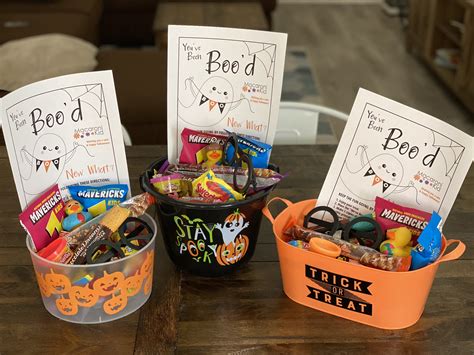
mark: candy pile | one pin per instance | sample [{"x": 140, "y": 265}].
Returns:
[
  {"x": 110, "y": 229},
  {"x": 204, "y": 173},
  {"x": 412, "y": 237}
]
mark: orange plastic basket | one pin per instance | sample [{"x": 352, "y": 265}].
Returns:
[{"x": 359, "y": 293}]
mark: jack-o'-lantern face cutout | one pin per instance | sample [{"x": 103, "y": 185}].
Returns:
[
  {"x": 115, "y": 304},
  {"x": 57, "y": 283},
  {"x": 43, "y": 286},
  {"x": 147, "y": 265},
  {"x": 227, "y": 254},
  {"x": 148, "y": 284},
  {"x": 67, "y": 306},
  {"x": 108, "y": 283},
  {"x": 133, "y": 284},
  {"x": 84, "y": 296}
]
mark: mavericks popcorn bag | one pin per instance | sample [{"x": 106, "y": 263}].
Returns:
[{"x": 42, "y": 220}]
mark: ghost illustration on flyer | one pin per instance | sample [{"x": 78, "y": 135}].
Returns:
[
  {"x": 210, "y": 103},
  {"x": 380, "y": 175},
  {"x": 45, "y": 164}
]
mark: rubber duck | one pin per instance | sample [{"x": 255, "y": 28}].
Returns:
[
  {"x": 213, "y": 155},
  {"x": 398, "y": 242},
  {"x": 76, "y": 215}
]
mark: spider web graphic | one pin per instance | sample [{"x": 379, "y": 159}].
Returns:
[
  {"x": 91, "y": 95},
  {"x": 265, "y": 53},
  {"x": 450, "y": 151}
]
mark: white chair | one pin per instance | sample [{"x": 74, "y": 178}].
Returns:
[
  {"x": 126, "y": 137},
  {"x": 298, "y": 122}
]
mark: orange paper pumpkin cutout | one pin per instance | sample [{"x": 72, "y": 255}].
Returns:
[
  {"x": 148, "y": 284},
  {"x": 114, "y": 284},
  {"x": 147, "y": 265},
  {"x": 84, "y": 296},
  {"x": 58, "y": 284},
  {"x": 67, "y": 306},
  {"x": 133, "y": 284},
  {"x": 115, "y": 304},
  {"x": 108, "y": 283},
  {"x": 227, "y": 254},
  {"x": 43, "y": 286}
]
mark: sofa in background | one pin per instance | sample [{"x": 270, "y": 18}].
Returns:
[
  {"x": 130, "y": 22},
  {"x": 24, "y": 18}
]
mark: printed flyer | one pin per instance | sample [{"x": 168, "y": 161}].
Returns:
[
  {"x": 398, "y": 153},
  {"x": 64, "y": 130},
  {"x": 223, "y": 79}
]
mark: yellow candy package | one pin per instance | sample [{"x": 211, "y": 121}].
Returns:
[{"x": 208, "y": 185}]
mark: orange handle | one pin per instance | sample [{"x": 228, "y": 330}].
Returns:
[
  {"x": 266, "y": 210},
  {"x": 454, "y": 254}
]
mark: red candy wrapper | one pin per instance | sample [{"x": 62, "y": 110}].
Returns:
[
  {"x": 200, "y": 147},
  {"x": 390, "y": 215},
  {"x": 42, "y": 219}
]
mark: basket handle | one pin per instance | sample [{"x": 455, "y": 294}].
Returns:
[
  {"x": 454, "y": 254},
  {"x": 266, "y": 209}
]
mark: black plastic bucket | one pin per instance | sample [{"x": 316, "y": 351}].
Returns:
[{"x": 208, "y": 240}]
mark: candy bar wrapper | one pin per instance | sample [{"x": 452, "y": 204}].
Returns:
[
  {"x": 108, "y": 225},
  {"x": 364, "y": 255},
  {"x": 390, "y": 215},
  {"x": 42, "y": 219},
  {"x": 200, "y": 147},
  {"x": 136, "y": 206}
]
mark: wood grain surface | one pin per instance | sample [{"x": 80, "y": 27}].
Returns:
[{"x": 245, "y": 312}]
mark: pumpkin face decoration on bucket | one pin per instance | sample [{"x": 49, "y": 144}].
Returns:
[
  {"x": 67, "y": 306},
  {"x": 84, "y": 296},
  {"x": 57, "y": 284},
  {"x": 133, "y": 284},
  {"x": 147, "y": 265},
  {"x": 107, "y": 284},
  {"x": 43, "y": 286},
  {"x": 115, "y": 304},
  {"x": 227, "y": 254}
]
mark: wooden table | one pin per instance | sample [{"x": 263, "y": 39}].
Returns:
[
  {"x": 244, "y": 312},
  {"x": 248, "y": 15}
]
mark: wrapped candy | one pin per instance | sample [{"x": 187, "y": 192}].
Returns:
[
  {"x": 259, "y": 152},
  {"x": 364, "y": 255},
  {"x": 264, "y": 177},
  {"x": 210, "y": 186}
]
